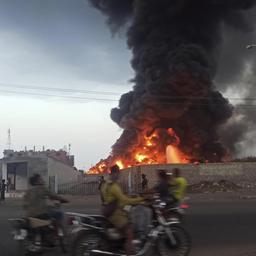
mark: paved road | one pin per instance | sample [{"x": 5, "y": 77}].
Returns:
[
  {"x": 218, "y": 228},
  {"x": 223, "y": 228}
]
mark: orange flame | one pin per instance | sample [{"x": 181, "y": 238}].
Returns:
[
  {"x": 120, "y": 164},
  {"x": 149, "y": 151},
  {"x": 149, "y": 140},
  {"x": 175, "y": 156},
  {"x": 140, "y": 158}
]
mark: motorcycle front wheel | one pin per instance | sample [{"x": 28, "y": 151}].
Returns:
[
  {"x": 21, "y": 248},
  {"x": 180, "y": 248},
  {"x": 62, "y": 243}
]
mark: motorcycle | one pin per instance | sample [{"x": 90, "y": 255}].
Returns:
[
  {"x": 35, "y": 236},
  {"x": 176, "y": 212},
  {"x": 93, "y": 234}
]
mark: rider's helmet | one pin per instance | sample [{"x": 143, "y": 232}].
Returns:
[
  {"x": 114, "y": 169},
  {"x": 114, "y": 172}
]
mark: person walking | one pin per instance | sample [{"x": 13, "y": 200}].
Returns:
[
  {"x": 144, "y": 183},
  {"x": 102, "y": 181},
  {"x": 3, "y": 190}
]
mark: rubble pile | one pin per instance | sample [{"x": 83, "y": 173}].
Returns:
[{"x": 213, "y": 186}]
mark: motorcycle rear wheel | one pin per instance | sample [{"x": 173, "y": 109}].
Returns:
[
  {"x": 85, "y": 243},
  {"x": 21, "y": 248},
  {"x": 183, "y": 246}
]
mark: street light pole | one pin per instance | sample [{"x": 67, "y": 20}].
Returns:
[{"x": 250, "y": 46}]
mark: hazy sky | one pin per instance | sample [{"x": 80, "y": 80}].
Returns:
[
  {"x": 59, "y": 44},
  {"x": 66, "y": 44}
]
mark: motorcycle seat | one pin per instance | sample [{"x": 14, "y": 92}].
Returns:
[{"x": 38, "y": 223}]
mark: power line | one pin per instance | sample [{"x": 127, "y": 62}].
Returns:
[
  {"x": 114, "y": 100},
  {"x": 214, "y": 103},
  {"x": 116, "y": 94},
  {"x": 197, "y": 98},
  {"x": 58, "y": 96},
  {"x": 57, "y": 89}
]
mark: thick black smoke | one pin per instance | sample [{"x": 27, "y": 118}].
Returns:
[
  {"x": 233, "y": 78},
  {"x": 175, "y": 46},
  {"x": 117, "y": 11}
]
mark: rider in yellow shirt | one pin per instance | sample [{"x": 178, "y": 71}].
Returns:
[
  {"x": 114, "y": 201},
  {"x": 179, "y": 184}
]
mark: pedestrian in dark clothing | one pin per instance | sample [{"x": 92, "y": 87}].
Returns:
[
  {"x": 3, "y": 189},
  {"x": 144, "y": 183},
  {"x": 8, "y": 185},
  {"x": 101, "y": 183}
]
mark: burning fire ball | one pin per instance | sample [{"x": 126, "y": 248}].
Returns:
[{"x": 174, "y": 111}]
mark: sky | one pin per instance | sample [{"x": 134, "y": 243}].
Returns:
[
  {"x": 55, "y": 56},
  {"x": 60, "y": 44}
]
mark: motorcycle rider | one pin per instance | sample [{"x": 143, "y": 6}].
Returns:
[
  {"x": 179, "y": 184},
  {"x": 35, "y": 200},
  {"x": 113, "y": 209},
  {"x": 164, "y": 187}
]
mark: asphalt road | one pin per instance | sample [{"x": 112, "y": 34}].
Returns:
[{"x": 217, "y": 227}]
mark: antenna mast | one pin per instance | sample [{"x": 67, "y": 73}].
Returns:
[
  {"x": 69, "y": 148},
  {"x": 9, "y": 141}
]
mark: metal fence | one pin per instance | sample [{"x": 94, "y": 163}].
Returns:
[
  {"x": 84, "y": 188},
  {"x": 79, "y": 188}
]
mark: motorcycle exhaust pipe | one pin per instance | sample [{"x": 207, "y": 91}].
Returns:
[{"x": 106, "y": 253}]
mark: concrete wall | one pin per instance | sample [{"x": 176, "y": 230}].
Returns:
[
  {"x": 38, "y": 165},
  {"x": 21, "y": 176},
  {"x": 64, "y": 173},
  {"x": 243, "y": 174}
]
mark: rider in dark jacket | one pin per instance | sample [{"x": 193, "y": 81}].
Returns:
[{"x": 163, "y": 187}]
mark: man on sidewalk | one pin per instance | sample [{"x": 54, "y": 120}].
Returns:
[{"x": 3, "y": 189}]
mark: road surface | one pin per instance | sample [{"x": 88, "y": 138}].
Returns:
[{"x": 224, "y": 227}]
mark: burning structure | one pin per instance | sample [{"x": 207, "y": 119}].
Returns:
[{"x": 174, "y": 111}]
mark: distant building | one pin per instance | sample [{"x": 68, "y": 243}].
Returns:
[{"x": 56, "y": 167}]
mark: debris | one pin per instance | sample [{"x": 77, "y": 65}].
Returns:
[{"x": 213, "y": 186}]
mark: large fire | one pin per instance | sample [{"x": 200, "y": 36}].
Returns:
[{"x": 149, "y": 151}]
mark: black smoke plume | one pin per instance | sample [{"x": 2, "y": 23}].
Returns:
[{"x": 176, "y": 47}]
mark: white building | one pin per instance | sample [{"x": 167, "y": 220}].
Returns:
[{"x": 56, "y": 167}]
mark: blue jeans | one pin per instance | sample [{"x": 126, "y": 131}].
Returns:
[{"x": 56, "y": 214}]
